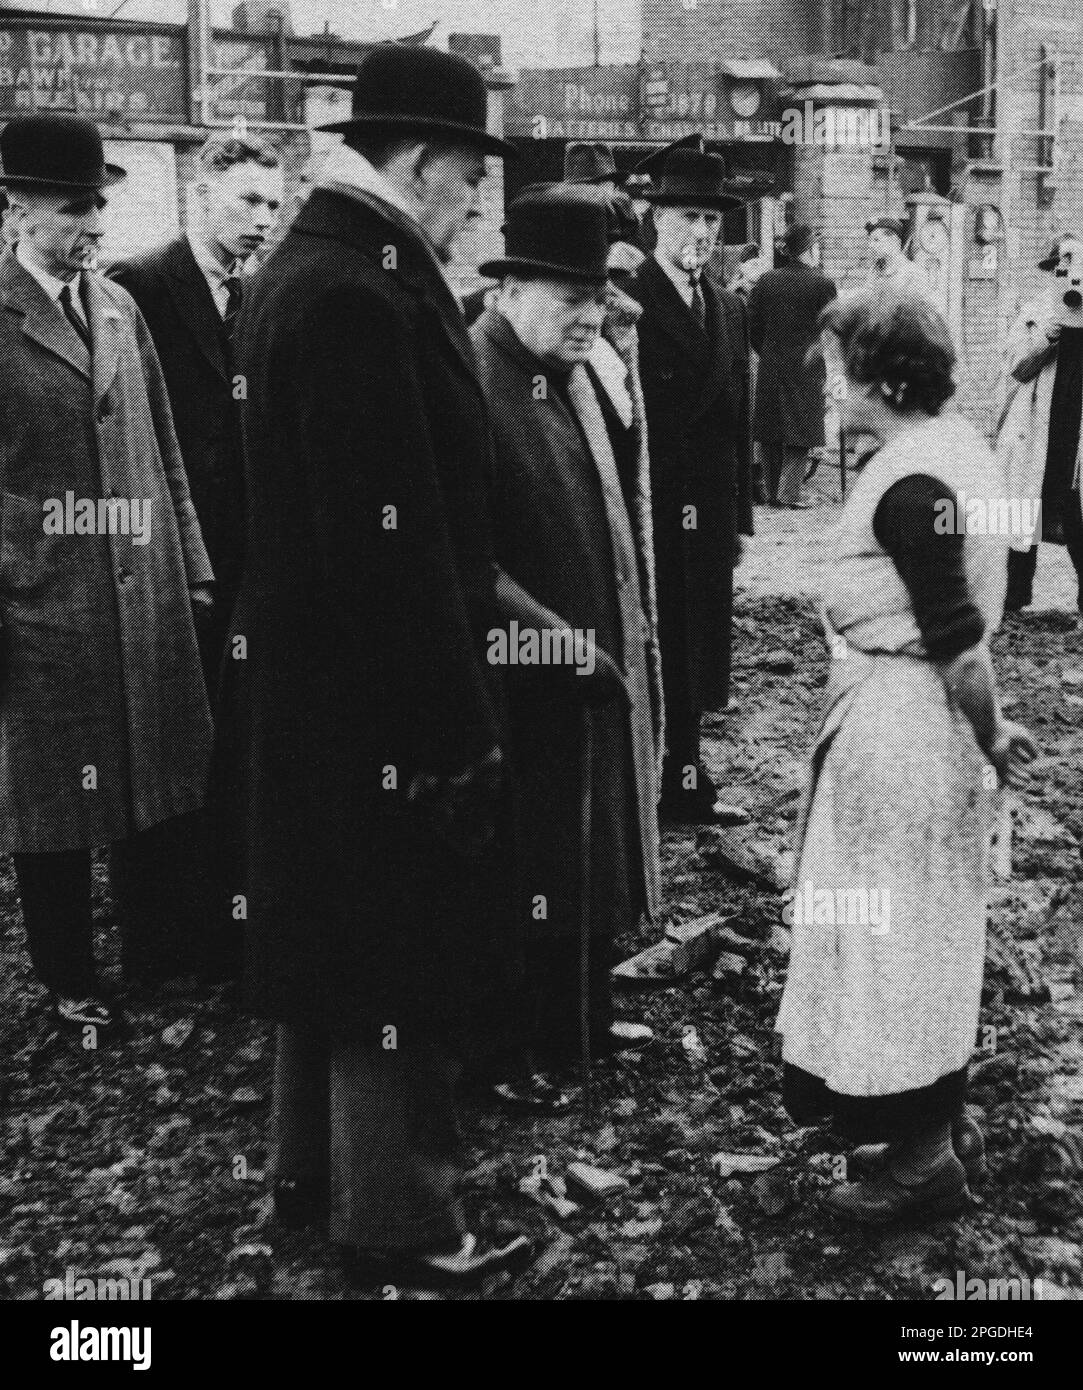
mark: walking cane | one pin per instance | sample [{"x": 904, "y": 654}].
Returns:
[{"x": 586, "y": 786}]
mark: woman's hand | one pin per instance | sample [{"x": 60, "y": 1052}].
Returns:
[{"x": 1011, "y": 751}]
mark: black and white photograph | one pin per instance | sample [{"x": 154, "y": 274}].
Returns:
[{"x": 541, "y": 671}]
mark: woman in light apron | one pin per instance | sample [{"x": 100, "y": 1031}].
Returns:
[{"x": 880, "y": 1011}]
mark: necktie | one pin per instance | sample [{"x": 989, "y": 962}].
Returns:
[
  {"x": 699, "y": 304},
  {"x": 65, "y": 301},
  {"x": 233, "y": 303}
]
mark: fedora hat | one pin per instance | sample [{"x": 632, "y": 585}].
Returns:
[
  {"x": 55, "y": 152},
  {"x": 558, "y": 233},
  {"x": 692, "y": 178},
  {"x": 420, "y": 91},
  {"x": 589, "y": 162}
]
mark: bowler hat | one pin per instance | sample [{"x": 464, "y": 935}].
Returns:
[
  {"x": 691, "y": 179},
  {"x": 588, "y": 162},
  {"x": 798, "y": 240},
  {"x": 55, "y": 152},
  {"x": 1052, "y": 258},
  {"x": 558, "y": 233},
  {"x": 887, "y": 224},
  {"x": 420, "y": 91}
]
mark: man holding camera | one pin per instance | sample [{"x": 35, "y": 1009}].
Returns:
[{"x": 1039, "y": 439}]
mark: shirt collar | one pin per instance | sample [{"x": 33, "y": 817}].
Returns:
[
  {"x": 346, "y": 166},
  {"x": 49, "y": 283},
  {"x": 212, "y": 268},
  {"x": 681, "y": 279}
]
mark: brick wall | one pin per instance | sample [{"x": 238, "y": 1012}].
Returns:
[{"x": 712, "y": 29}]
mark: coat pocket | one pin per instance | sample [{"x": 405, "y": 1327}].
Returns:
[{"x": 27, "y": 553}]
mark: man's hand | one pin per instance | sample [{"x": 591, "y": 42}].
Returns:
[{"x": 1052, "y": 331}]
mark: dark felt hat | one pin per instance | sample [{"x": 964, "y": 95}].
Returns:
[
  {"x": 693, "y": 179},
  {"x": 798, "y": 240},
  {"x": 650, "y": 166},
  {"x": 559, "y": 233},
  {"x": 55, "y": 152},
  {"x": 1052, "y": 257},
  {"x": 888, "y": 224},
  {"x": 420, "y": 91},
  {"x": 589, "y": 162}
]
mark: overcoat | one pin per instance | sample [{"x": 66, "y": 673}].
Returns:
[
  {"x": 176, "y": 302},
  {"x": 364, "y": 606},
  {"x": 696, "y": 390},
  {"x": 553, "y": 524},
  {"x": 104, "y": 726},
  {"x": 782, "y": 312},
  {"x": 1023, "y": 435}
]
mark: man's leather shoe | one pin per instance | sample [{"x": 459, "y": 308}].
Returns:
[
  {"x": 460, "y": 1268},
  {"x": 691, "y": 810},
  {"x": 876, "y": 1201},
  {"x": 533, "y": 1093},
  {"x": 90, "y": 1012}
]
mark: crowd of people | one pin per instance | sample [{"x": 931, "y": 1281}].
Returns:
[{"x": 382, "y": 708}]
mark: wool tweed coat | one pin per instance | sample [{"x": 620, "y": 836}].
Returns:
[
  {"x": 782, "y": 312},
  {"x": 367, "y": 594},
  {"x": 696, "y": 390},
  {"x": 104, "y": 725},
  {"x": 554, "y": 536}
]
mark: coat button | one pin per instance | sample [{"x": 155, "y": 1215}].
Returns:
[
  {"x": 123, "y": 574},
  {"x": 105, "y": 409}
]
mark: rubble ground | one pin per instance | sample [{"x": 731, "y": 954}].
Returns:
[{"x": 146, "y": 1158}]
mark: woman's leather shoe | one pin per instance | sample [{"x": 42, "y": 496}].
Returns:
[
  {"x": 534, "y": 1093},
  {"x": 90, "y": 1012},
  {"x": 966, "y": 1139},
  {"x": 876, "y": 1201}
]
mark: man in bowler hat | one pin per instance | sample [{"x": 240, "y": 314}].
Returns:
[
  {"x": 694, "y": 357},
  {"x": 104, "y": 726},
  {"x": 571, "y": 509},
  {"x": 373, "y": 717},
  {"x": 788, "y": 420}
]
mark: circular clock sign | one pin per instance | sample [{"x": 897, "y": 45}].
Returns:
[{"x": 745, "y": 99}]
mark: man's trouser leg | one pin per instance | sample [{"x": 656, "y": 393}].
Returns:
[
  {"x": 1073, "y": 540},
  {"x": 395, "y": 1161},
  {"x": 54, "y": 891},
  {"x": 793, "y": 466},
  {"x": 1021, "y": 567},
  {"x": 301, "y": 1109},
  {"x": 772, "y": 470},
  {"x": 159, "y": 899}
]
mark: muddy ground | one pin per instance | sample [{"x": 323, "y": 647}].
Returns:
[{"x": 146, "y": 1158}]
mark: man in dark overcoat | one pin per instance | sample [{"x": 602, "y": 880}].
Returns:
[
  {"x": 189, "y": 292},
  {"x": 788, "y": 419},
  {"x": 694, "y": 359},
  {"x": 572, "y": 530},
  {"x": 104, "y": 727},
  {"x": 373, "y": 935}
]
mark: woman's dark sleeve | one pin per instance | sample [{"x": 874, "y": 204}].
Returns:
[{"x": 915, "y": 523}]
